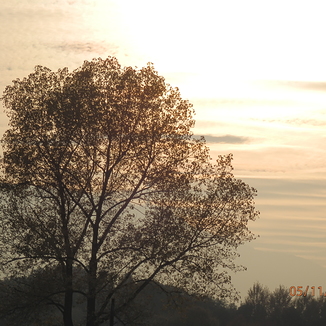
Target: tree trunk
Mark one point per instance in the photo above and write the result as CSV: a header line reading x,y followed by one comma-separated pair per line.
x,y
91,299
67,313
112,313
92,282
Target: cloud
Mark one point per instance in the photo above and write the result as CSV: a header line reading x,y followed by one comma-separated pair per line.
x,y
311,86
239,101
295,121
302,85
83,47
294,251
226,139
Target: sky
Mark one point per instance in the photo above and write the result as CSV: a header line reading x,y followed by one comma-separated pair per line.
x,y
255,72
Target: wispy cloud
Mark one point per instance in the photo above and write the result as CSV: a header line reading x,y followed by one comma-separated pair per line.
x,y
225,139
295,121
302,85
83,47
239,102
294,243
294,251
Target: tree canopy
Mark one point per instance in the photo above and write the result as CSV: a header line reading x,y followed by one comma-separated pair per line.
x,y
101,174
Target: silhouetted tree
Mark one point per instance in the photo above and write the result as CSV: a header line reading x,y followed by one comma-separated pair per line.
x,y
101,171
256,302
312,310
279,309
23,299
279,302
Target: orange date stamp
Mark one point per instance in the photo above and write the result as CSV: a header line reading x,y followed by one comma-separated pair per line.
x,y
298,291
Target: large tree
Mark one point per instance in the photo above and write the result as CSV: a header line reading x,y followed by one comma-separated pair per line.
x,y
101,173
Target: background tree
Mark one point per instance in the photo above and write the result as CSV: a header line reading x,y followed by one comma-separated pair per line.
x,y
23,300
311,309
279,304
257,303
101,173
262,307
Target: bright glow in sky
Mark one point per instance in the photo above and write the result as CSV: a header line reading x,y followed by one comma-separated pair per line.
x,y
255,72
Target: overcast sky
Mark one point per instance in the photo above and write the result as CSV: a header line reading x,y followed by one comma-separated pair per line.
x,y
255,72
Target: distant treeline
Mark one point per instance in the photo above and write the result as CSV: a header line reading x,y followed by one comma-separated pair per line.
x,y
279,308
261,307
161,305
